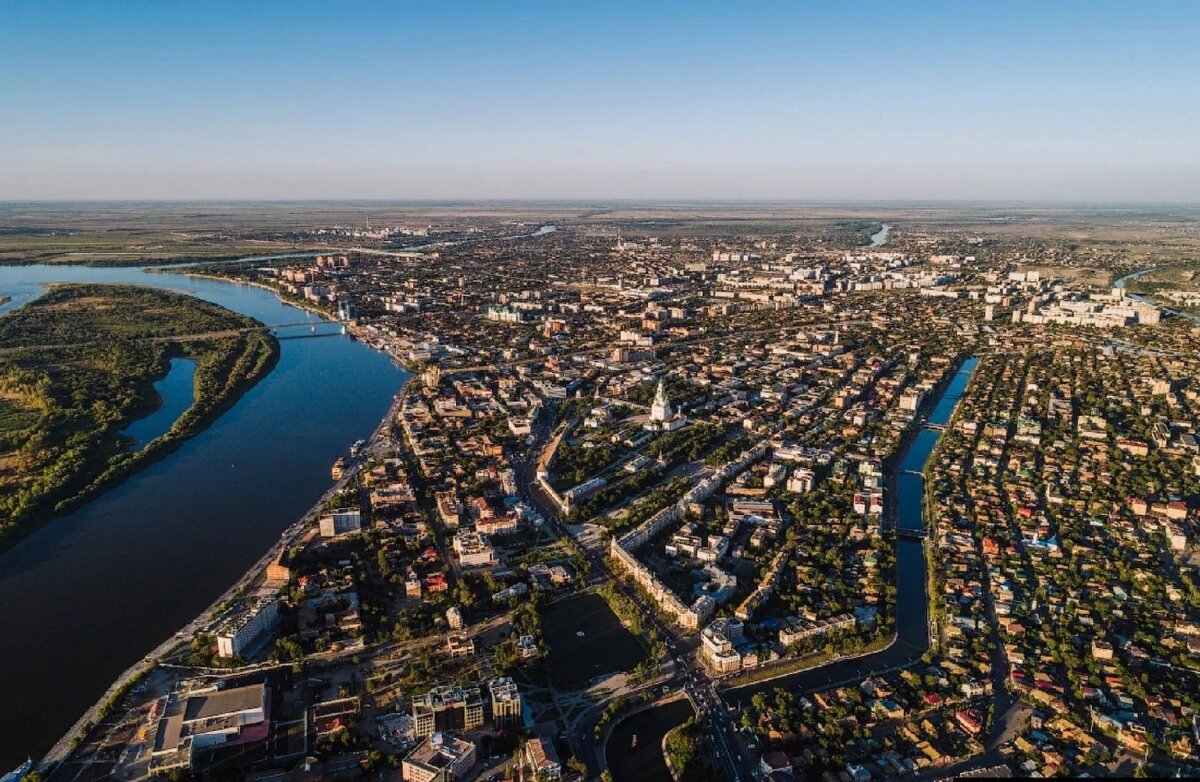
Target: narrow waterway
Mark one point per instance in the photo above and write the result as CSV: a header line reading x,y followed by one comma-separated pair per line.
x,y
634,749
176,392
879,238
912,601
912,615
1120,283
86,595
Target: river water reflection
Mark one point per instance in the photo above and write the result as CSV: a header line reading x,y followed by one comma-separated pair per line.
x,y
177,391
87,594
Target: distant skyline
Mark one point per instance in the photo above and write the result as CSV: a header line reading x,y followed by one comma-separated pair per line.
x,y
1087,101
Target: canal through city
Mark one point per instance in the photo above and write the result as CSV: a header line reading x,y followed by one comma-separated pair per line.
x,y
86,595
912,603
912,613
634,750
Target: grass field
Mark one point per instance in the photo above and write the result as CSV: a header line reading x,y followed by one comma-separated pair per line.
x,y
1098,238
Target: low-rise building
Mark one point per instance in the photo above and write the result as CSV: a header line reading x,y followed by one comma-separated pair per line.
x,y
473,549
911,399
801,481
573,496
793,629
527,647
279,571
460,646
197,720
542,759
331,716
439,758
340,522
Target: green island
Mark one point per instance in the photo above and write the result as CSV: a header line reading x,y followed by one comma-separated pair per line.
x,y
78,364
683,747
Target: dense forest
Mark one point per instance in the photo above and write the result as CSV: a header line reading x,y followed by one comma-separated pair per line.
x,y
78,364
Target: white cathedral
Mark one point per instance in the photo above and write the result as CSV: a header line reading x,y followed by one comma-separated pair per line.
x,y
662,417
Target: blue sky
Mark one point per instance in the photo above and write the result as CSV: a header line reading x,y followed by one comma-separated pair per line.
x,y
849,100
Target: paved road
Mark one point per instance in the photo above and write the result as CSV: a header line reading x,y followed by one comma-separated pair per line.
x,y
701,690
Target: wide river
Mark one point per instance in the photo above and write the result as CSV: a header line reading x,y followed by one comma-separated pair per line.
x,y
86,595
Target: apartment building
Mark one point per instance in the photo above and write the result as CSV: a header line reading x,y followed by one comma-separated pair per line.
x,y
245,631
447,708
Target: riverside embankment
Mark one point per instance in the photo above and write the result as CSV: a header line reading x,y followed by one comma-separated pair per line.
x,y
90,593
912,598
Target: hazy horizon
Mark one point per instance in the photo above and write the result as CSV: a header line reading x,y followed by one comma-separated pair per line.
x,y
813,203
1081,102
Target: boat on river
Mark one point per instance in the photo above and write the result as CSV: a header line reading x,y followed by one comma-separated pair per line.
x,y
18,773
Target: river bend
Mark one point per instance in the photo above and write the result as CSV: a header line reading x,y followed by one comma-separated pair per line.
x,y
86,595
